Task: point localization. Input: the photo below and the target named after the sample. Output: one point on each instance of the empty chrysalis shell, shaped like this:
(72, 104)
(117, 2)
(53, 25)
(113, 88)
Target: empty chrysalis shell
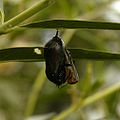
(60, 68)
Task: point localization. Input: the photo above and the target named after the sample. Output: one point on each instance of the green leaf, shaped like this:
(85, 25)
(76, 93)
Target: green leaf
(73, 24)
(22, 54)
(36, 54)
(94, 55)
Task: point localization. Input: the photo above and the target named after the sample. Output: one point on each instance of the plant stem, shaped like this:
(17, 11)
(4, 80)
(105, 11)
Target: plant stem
(33, 97)
(1, 12)
(89, 100)
(25, 14)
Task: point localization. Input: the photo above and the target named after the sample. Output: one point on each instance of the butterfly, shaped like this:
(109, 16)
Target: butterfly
(60, 68)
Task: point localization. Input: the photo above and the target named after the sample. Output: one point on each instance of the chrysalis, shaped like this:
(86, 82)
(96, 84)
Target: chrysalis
(59, 64)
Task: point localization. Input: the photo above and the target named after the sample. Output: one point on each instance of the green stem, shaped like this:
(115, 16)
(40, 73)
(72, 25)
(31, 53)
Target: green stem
(1, 12)
(32, 100)
(89, 100)
(25, 14)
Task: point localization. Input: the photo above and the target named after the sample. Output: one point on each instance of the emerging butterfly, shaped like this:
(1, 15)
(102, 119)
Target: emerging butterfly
(60, 68)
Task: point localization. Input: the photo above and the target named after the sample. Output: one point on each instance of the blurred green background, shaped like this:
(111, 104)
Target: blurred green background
(20, 92)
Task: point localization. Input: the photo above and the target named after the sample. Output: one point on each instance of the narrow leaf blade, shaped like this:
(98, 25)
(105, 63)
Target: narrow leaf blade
(29, 54)
(73, 24)
(36, 54)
